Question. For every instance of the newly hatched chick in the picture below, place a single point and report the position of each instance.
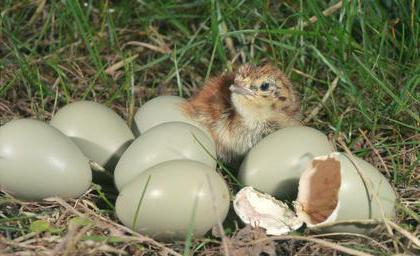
(239, 109)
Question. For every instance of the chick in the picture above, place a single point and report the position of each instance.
(240, 109)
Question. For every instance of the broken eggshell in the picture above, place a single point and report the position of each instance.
(262, 210)
(167, 141)
(100, 133)
(338, 188)
(275, 164)
(159, 110)
(173, 198)
(38, 161)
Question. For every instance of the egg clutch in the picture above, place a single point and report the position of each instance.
(165, 171)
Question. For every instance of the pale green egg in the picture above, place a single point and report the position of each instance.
(275, 164)
(341, 193)
(165, 142)
(174, 199)
(99, 132)
(159, 110)
(38, 161)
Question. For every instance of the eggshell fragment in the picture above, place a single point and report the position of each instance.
(38, 161)
(167, 141)
(264, 211)
(275, 164)
(159, 110)
(99, 132)
(338, 188)
(172, 198)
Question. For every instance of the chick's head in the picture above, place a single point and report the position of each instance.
(263, 92)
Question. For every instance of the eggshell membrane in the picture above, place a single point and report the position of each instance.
(165, 142)
(38, 161)
(275, 164)
(159, 110)
(331, 190)
(100, 133)
(172, 198)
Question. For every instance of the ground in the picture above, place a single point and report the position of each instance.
(355, 64)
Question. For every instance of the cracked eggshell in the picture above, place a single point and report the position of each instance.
(173, 197)
(100, 133)
(167, 141)
(159, 110)
(38, 161)
(339, 188)
(275, 164)
(262, 210)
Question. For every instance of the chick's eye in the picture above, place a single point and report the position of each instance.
(264, 86)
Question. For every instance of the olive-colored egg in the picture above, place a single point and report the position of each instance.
(38, 161)
(338, 188)
(162, 109)
(168, 141)
(172, 198)
(275, 164)
(99, 132)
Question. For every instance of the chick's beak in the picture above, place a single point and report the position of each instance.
(240, 90)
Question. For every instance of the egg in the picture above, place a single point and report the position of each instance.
(167, 141)
(173, 199)
(38, 161)
(162, 109)
(275, 164)
(337, 191)
(99, 132)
